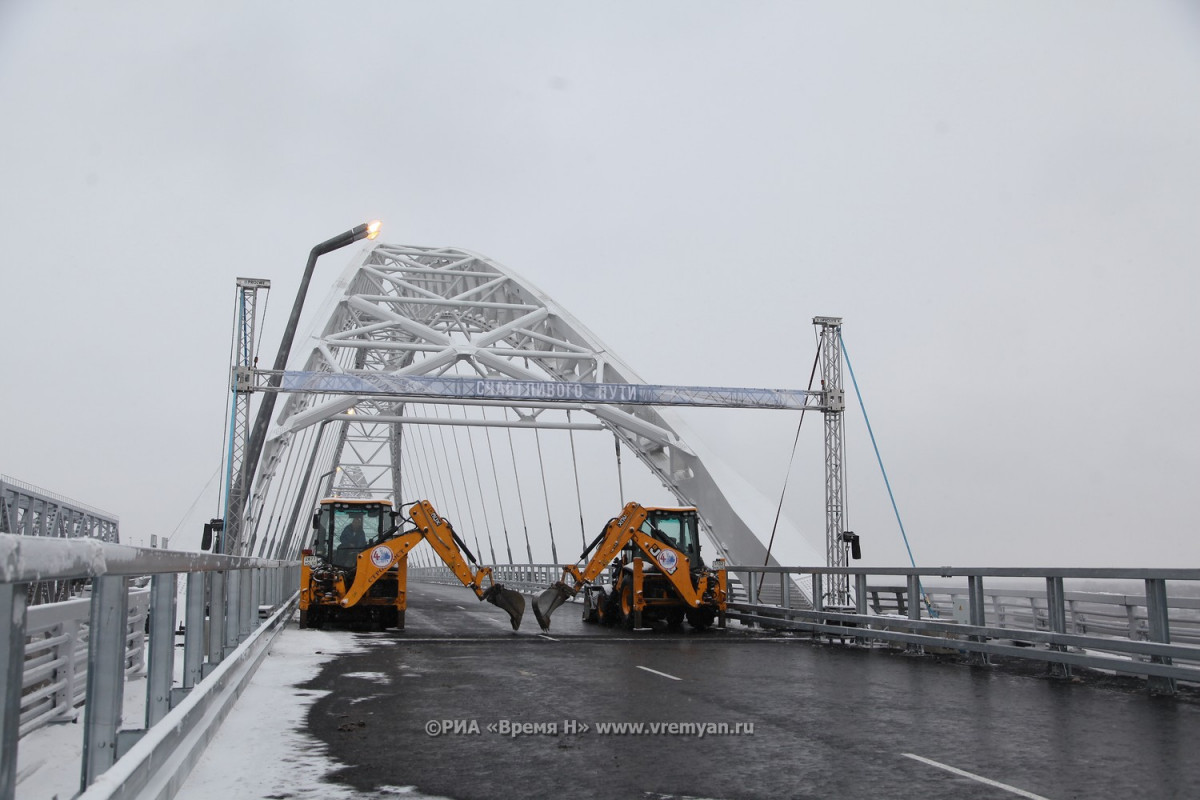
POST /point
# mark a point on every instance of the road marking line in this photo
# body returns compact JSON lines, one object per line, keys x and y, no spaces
{"x":461,"y":608}
{"x":547,"y":636}
{"x":974,"y":777}
{"x":656,"y":672}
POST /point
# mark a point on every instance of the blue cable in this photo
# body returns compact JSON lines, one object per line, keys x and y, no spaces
{"x":886,"y":482}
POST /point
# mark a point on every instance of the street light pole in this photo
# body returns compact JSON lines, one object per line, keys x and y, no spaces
{"x":232,"y":540}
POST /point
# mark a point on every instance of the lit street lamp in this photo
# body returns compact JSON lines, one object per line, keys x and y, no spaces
{"x":258,"y":436}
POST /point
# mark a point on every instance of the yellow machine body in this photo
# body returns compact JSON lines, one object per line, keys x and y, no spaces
{"x":357,"y":571}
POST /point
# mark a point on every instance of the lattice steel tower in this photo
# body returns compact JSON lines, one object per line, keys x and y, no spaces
{"x":244,"y":359}
{"x":837,"y":592}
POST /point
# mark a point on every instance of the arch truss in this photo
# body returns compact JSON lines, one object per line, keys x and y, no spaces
{"x":406,"y":324}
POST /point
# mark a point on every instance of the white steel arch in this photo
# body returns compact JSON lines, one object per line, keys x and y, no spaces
{"x":406,"y":310}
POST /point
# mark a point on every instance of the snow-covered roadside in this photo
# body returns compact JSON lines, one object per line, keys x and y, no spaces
{"x":262,"y":749}
{"x":48,"y":759}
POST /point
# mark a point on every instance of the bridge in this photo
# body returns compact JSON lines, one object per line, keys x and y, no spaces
{"x":438,"y":373}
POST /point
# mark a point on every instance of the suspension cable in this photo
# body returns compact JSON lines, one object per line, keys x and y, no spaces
{"x":487,"y":432}
{"x":478,"y":486}
{"x":199,"y":497}
{"x":787,"y":476}
{"x":462,"y":475}
{"x":436,"y":475}
{"x":517,"y":477}
{"x":886,"y":482}
{"x":578,"y":495}
{"x":546,"y":493}
{"x":620,"y":477}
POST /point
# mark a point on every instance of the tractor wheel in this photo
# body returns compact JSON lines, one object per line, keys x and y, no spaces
{"x":606,"y":611}
{"x":591,"y":611}
{"x":675,"y":619}
{"x":304,"y":618}
{"x":700,"y":618}
{"x":627,"y":613}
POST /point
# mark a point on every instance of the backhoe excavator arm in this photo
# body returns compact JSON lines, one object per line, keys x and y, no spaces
{"x":617,"y":534}
{"x":374,"y":562}
{"x":611,"y":541}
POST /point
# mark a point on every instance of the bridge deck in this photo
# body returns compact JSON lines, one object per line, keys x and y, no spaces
{"x":827,"y":721}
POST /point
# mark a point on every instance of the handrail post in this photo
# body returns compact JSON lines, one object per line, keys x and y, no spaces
{"x":109,"y":621}
{"x":1056,"y":611}
{"x":193,"y":626}
{"x":249,"y":603}
{"x":216,"y":621}
{"x":978,"y":616}
{"x":162,"y":647}
{"x":1160,"y":631}
{"x":915,"y":601}
{"x":860,"y":602}
{"x":12,"y":661}
{"x":231,"y":610}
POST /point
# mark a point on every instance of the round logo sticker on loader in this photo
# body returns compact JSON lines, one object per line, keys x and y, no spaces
{"x":381,"y":556}
{"x":667,"y":560}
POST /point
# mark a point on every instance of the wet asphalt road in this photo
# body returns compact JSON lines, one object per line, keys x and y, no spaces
{"x":828,"y":721}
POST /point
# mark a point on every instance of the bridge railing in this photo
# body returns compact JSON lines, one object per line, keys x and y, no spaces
{"x":223,"y":644}
{"x":1119,"y":620}
{"x":54,"y":684}
{"x":977,"y":613}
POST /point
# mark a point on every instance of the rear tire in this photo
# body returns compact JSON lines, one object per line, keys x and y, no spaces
{"x":627,"y":612}
{"x":700,"y":618}
{"x":304,"y":618}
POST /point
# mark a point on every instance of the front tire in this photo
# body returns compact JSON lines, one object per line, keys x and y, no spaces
{"x":591,"y":608}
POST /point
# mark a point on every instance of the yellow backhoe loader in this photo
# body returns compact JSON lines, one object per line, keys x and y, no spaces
{"x":357,"y":568}
{"x":657,"y":573}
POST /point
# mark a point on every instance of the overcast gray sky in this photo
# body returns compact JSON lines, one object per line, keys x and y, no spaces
{"x":1001,"y":199}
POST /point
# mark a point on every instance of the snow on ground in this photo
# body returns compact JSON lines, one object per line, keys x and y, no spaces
{"x":261,"y":750}
{"x":49,"y":759}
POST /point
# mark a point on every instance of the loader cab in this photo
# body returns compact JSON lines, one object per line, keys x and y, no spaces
{"x":678,"y":527}
{"x":345,"y":526}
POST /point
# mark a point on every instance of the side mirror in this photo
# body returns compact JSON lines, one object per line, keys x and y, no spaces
{"x":316,"y":520}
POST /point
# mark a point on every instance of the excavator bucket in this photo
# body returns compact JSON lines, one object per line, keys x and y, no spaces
{"x":512,"y":602}
{"x":547,"y":601}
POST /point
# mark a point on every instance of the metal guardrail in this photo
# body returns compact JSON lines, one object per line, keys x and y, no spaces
{"x":56,"y":647}
{"x":1153,"y":634}
{"x":225,"y":596}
